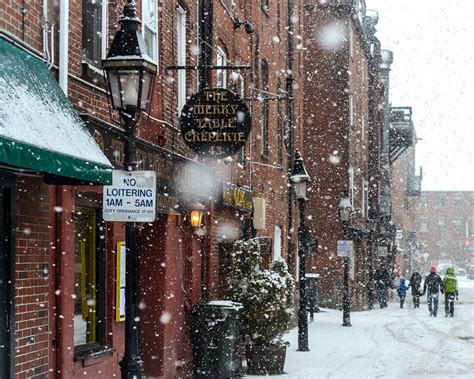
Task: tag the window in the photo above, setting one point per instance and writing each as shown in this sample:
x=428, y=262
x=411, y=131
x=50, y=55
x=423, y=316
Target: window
x=458, y=226
x=181, y=55
x=94, y=21
x=423, y=225
x=351, y=41
x=457, y=200
x=150, y=27
x=265, y=108
x=351, y=110
x=351, y=185
x=240, y=89
x=362, y=127
x=89, y=279
x=440, y=200
x=279, y=124
x=277, y=243
x=221, y=81
x=440, y=223
x=424, y=201
x=364, y=197
x=266, y=6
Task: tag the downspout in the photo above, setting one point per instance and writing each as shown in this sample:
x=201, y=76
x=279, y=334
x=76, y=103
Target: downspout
x=289, y=131
x=63, y=44
x=206, y=12
x=44, y=26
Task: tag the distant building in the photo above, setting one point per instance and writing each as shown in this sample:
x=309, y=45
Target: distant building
x=445, y=226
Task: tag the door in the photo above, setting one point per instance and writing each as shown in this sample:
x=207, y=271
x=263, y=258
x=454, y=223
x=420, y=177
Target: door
x=6, y=275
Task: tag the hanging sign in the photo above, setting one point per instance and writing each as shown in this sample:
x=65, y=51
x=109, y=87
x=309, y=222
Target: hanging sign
x=215, y=122
x=344, y=248
x=131, y=197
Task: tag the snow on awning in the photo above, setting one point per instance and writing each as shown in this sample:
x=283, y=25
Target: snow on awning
x=39, y=129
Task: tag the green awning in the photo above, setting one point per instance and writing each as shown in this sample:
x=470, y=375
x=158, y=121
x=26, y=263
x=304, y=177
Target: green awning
x=39, y=129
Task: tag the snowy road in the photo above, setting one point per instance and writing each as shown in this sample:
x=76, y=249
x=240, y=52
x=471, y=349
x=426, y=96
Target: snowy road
x=389, y=343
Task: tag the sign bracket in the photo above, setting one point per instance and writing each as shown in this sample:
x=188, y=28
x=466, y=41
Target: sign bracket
x=209, y=67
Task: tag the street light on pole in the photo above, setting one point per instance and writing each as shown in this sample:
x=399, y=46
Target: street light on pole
x=300, y=180
x=345, y=211
x=130, y=74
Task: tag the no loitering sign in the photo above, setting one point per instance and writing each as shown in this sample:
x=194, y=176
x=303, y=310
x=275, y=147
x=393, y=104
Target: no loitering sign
x=131, y=197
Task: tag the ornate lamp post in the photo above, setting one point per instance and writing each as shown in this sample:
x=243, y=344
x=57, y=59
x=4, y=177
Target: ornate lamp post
x=345, y=210
x=130, y=74
x=300, y=180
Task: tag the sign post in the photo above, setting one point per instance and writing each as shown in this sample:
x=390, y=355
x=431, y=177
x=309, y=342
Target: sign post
x=131, y=197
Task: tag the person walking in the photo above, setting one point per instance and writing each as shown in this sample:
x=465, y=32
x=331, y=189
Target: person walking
x=382, y=280
x=450, y=284
x=432, y=287
x=402, y=292
x=415, y=284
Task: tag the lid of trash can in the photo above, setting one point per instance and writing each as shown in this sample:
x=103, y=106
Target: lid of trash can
x=225, y=304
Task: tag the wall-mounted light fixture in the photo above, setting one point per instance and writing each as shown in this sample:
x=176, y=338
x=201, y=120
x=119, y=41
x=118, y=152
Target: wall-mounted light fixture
x=247, y=25
x=194, y=217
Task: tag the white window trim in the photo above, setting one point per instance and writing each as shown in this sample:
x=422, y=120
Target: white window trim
x=277, y=242
x=351, y=185
x=241, y=92
x=221, y=55
x=152, y=28
x=105, y=6
x=103, y=38
x=351, y=110
x=181, y=31
x=363, y=198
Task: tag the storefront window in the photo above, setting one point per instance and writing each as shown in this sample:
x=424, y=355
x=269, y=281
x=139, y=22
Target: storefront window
x=88, y=277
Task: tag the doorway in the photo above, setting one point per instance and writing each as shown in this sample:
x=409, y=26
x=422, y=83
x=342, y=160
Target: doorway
x=7, y=303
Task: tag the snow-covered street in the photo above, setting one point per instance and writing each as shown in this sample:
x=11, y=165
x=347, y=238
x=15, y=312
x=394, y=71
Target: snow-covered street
x=389, y=342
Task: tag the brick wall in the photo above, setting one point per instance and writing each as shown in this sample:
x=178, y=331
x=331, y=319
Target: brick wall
x=33, y=264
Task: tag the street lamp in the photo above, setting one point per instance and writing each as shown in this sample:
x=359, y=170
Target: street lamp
x=130, y=74
x=300, y=180
x=345, y=211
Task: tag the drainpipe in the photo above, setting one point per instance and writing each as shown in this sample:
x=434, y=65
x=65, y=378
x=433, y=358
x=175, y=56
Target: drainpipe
x=44, y=26
x=63, y=44
x=289, y=128
x=386, y=190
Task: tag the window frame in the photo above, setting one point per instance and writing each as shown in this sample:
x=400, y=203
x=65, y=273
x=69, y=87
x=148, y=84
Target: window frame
x=96, y=66
x=264, y=67
x=152, y=28
x=100, y=346
x=279, y=124
x=181, y=31
x=424, y=221
x=221, y=60
x=240, y=90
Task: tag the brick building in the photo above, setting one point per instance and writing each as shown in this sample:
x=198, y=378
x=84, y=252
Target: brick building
x=406, y=191
x=444, y=224
x=63, y=305
x=337, y=136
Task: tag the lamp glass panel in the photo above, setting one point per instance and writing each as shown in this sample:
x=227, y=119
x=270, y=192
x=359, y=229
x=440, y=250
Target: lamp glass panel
x=114, y=82
x=300, y=189
x=147, y=82
x=130, y=81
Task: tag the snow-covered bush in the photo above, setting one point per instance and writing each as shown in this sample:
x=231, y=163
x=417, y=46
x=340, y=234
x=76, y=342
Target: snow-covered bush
x=265, y=295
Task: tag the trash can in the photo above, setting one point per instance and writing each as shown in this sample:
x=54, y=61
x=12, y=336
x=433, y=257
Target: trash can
x=216, y=336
